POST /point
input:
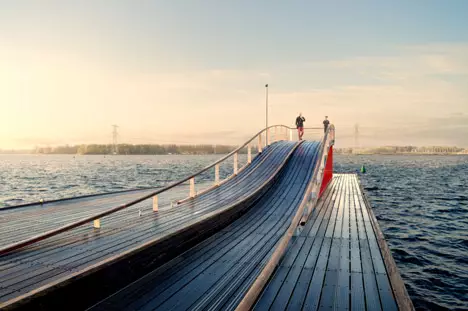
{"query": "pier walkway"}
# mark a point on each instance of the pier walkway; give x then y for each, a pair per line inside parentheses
(338, 261)
(216, 273)
(53, 262)
(335, 262)
(281, 233)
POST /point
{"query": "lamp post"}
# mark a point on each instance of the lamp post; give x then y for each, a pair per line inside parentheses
(266, 117)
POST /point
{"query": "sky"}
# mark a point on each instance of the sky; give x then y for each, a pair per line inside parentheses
(194, 71)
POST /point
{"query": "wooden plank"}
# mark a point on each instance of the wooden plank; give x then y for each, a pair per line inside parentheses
(355, 256)
(335, 291)
(341, 300)
(270, 292)
(357, 292)
(386, 294)
(315, 287)
(300, 291)
(328, 290)
(371, 291)
(346, 212)
(377, 260)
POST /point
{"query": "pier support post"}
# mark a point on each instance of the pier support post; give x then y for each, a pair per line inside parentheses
(192, 187)
(155, 203)
(235, 163)
(260, 143)
(217, 175)
(97, 223)
(249, 154)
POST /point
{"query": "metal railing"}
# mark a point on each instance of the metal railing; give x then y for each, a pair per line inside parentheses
(259, 141)
(308, 202)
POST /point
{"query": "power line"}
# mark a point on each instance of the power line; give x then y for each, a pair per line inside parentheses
(356, 136)
(115, 146)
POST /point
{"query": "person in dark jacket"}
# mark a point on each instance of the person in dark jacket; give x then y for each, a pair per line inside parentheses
(300, 125)
(325, 124)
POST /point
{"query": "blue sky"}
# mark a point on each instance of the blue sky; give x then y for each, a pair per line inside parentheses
(382, 64)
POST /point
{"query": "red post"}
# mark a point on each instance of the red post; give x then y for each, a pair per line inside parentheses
(328, 173)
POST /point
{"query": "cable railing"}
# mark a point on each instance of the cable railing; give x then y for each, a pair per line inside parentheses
(308, 202)
(259, 141)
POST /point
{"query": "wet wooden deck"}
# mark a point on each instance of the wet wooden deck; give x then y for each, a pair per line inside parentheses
(216, 273)
(45, 266)
(339, 260)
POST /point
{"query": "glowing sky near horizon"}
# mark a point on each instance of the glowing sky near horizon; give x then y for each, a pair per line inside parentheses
(194, 71)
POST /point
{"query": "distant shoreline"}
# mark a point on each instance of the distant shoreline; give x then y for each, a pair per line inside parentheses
(182, 154)
(403, 154)
(111, 155)
(404, 150)
(207, 149)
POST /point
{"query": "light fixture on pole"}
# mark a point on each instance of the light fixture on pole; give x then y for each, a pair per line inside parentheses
(266, 117)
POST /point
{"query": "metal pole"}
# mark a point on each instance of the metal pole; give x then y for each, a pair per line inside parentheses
(217, 174)
(155, 203)
(97, 223)
(192, 187)
(266, 116)
(235, 163)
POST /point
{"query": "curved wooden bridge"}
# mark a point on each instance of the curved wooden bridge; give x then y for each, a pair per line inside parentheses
(279, 233)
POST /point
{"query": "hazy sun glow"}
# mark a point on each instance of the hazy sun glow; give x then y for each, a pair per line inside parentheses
(182, 73)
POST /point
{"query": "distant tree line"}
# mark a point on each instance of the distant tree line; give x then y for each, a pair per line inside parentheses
(402, 150)
(138, 149)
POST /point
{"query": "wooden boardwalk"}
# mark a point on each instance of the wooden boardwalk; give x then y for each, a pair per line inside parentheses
(336, 261)
(216, 273)
(47, 265)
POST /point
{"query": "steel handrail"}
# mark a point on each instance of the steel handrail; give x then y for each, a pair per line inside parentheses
(252, 295)
(96, 217)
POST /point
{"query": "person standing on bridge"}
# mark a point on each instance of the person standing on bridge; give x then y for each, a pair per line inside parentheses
(325, 124)
(300, 125)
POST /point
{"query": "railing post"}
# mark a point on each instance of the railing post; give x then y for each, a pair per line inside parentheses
(267, 141)
(97, 223)
(249, 154)
(192, 187)
(290, 135)
(260, 143)
(155, 203)
(217, 174)
(276, 134)
(235, 163)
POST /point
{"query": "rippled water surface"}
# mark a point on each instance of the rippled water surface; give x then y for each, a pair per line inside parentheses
(421, 203)
(29, 178)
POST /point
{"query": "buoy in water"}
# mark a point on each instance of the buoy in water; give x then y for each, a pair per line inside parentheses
(363, 169)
